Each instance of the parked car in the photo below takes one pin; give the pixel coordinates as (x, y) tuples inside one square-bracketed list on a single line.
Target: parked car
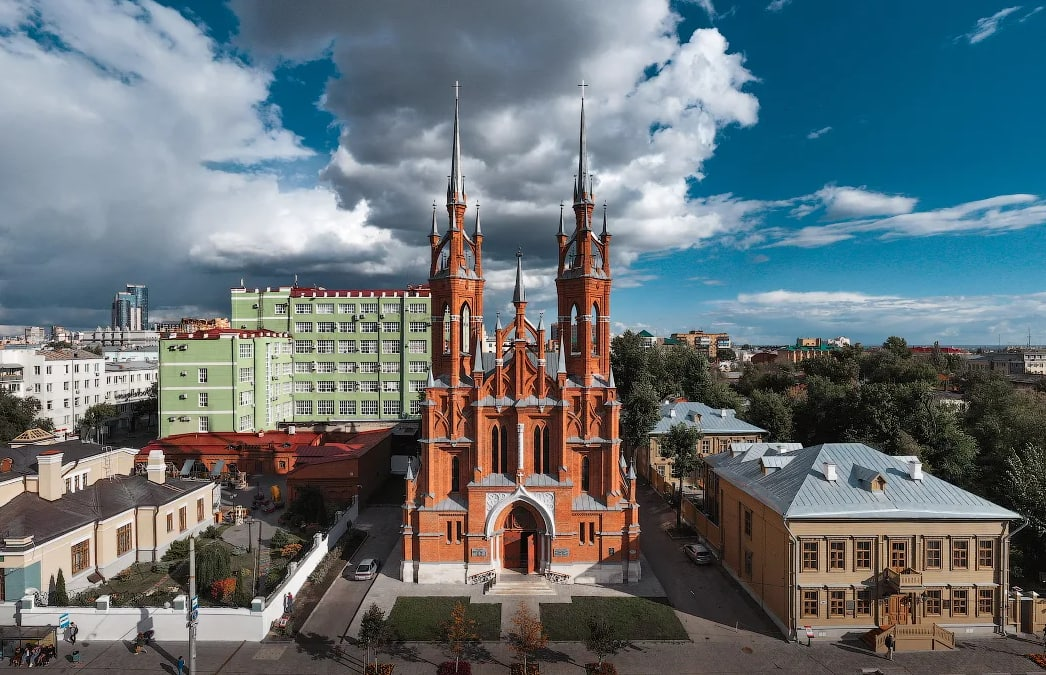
[(699, 553), (367, 569)]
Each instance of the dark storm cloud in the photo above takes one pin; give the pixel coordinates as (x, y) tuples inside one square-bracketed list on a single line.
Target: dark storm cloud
[(117, 179)]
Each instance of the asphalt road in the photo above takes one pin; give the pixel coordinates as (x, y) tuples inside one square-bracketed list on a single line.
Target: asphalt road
[(710, 603), (334, 613)]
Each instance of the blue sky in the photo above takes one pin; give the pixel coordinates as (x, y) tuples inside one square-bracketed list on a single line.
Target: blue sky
[(771, 169)]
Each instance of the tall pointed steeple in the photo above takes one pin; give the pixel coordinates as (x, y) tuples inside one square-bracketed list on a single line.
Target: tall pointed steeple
[(479, 230), (435, 230), (520, 294), (456, 186), (604, 219), (581, 192), (562, 228)]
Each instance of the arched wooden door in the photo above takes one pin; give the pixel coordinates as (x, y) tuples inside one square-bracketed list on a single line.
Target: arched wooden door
[(519, 541)]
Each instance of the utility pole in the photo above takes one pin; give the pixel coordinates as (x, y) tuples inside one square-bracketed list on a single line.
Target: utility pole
[(193, 606), (257, 561)]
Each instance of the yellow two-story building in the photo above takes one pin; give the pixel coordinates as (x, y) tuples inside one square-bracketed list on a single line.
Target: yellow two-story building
[(79, 508), (841, 540)]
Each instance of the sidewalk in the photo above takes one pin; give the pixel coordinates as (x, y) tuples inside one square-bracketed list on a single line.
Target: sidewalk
[(720, 656)]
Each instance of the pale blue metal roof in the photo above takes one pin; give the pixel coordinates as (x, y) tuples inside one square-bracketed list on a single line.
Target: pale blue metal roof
[(711, 420), (800, 489)]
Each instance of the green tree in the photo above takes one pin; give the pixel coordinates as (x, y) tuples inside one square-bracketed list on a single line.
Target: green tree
[(771, 411), (459, 633), (375, 633), (61, 595), (726, 354), (529, 634), (213, 563), (96, 415), (679, 444), (18, 415), (897, 346), (310, 506), (603, 640), (628, 361), (639, 413)]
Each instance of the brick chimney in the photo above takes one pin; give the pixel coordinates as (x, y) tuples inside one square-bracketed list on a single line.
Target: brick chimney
[(157, 467), (49, 469)]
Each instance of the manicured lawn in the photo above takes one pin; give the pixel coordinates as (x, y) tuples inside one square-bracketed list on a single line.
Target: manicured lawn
[(634, 618), (418, 619)]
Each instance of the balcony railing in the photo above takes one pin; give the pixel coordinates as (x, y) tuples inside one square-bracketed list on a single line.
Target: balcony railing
[(902, 580)]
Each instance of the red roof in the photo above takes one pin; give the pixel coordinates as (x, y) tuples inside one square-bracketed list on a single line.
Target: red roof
[(215, 333), (419, 291), (220, 441), (352, 448)]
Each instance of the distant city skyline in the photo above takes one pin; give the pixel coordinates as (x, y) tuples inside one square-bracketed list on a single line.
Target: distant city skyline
[(770, 169)]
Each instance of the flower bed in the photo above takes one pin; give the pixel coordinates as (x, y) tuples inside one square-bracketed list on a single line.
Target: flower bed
[(447, 668), (600, 669), (1039, 659)]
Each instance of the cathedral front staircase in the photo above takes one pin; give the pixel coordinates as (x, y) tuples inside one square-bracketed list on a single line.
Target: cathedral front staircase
[(515, 583)]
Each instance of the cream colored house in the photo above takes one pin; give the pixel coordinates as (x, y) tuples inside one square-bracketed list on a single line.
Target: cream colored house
[(843, 540), (79, 507), (719, 427)]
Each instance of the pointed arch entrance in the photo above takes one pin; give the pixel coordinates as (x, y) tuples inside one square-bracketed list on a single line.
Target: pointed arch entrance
[(520, 527)]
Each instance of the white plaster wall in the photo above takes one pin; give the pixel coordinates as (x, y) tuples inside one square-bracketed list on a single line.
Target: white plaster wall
[(124, 623), (8, 611)]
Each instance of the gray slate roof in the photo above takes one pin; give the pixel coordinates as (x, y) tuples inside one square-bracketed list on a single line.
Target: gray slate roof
[(799, 489), (29, 514), (23, 459), (712, 420)]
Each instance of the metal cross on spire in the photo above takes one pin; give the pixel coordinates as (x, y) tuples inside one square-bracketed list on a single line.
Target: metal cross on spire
[(582, 85), (457, 88)]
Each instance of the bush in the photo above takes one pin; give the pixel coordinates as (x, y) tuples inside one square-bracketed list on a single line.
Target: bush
[(382, 669), (447, 668), (211, 532), (279, 539), (532, 669), (85, 598), (61, 596), (222, 589), (179, 550), (290, 551), (600, 669)]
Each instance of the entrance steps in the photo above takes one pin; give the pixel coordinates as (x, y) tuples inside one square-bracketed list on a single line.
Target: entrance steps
[(514, 583)]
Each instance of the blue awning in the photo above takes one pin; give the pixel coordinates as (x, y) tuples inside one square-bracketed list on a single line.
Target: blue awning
[(187, 467), (217, 470)]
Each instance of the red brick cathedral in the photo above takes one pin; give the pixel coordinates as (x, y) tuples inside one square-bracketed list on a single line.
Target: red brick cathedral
[(521, 466)]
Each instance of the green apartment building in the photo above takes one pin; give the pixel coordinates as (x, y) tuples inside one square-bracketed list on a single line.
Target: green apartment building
[(358, 355), (334, 356), (224, 379)]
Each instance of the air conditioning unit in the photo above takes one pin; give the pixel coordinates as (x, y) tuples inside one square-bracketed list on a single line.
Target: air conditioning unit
[(275, 378), (184, 418), (171, 348), (170, 419), (254, 306), (182, 348), (184, 373), (183, 396)]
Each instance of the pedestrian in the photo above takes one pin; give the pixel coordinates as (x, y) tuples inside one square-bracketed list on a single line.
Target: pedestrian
[(1044, 638), (73, 630), (181, 665), (890, 644)]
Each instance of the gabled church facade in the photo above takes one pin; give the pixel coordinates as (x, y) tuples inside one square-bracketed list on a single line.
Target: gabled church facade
[(521, 466)]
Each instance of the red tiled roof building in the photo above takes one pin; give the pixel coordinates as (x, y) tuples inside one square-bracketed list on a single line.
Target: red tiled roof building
[(520, 455)]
